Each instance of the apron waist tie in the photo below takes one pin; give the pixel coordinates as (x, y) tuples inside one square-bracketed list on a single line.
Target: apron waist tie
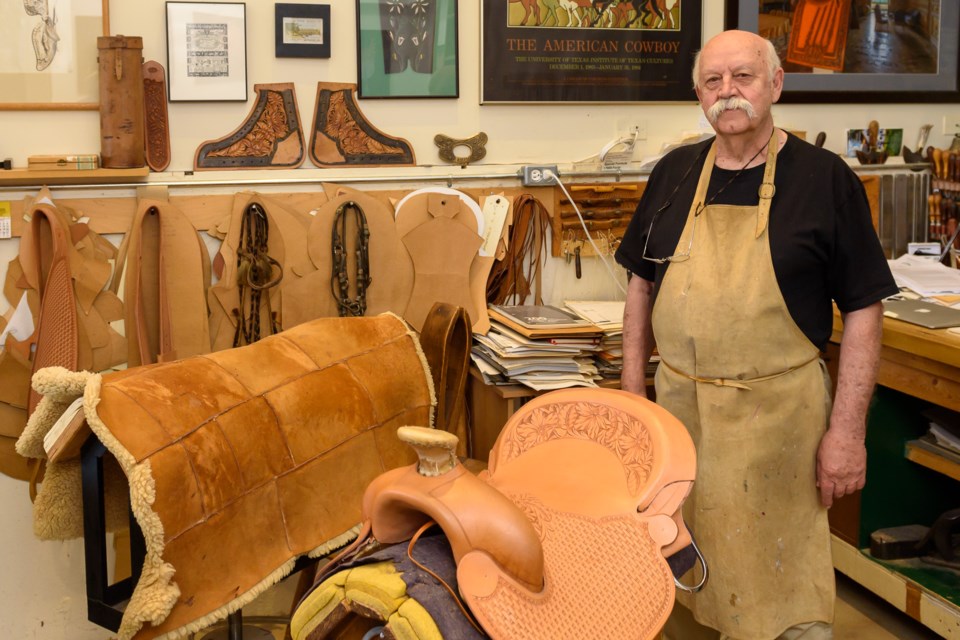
[(737, 383)]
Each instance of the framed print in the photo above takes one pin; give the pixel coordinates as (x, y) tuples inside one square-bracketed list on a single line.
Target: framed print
[(589, 50), (859, 51), (302, 30), (206, 51), (48, 54), (407, 49)]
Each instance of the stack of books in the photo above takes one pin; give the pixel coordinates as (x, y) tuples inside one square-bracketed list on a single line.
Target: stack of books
[(539, 346)]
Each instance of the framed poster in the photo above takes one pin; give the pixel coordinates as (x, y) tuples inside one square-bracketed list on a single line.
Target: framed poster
[(868, 54), (206, 51), (302, 30), (407, 49), (48, 54), (589, 50)]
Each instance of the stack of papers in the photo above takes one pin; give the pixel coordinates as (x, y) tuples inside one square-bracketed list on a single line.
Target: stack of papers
[(608, 316), (924, 276)]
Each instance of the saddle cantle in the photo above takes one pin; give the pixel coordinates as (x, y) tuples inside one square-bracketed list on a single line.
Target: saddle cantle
[(567, 532)]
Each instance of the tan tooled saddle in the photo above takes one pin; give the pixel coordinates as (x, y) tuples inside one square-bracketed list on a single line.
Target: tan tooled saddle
[(567, 533)]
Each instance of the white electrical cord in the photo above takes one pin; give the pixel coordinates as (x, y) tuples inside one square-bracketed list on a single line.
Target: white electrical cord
[(548, 173)]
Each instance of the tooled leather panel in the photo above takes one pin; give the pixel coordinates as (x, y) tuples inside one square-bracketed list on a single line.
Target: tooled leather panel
[(622, 434), (637, 584), (343, 136), (156, 121), (57, 334), (270, 137)]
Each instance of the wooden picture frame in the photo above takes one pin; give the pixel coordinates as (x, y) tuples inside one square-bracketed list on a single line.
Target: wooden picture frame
[(407, 49), (66, 48), (932, 32), (207, 51), (302, 30)]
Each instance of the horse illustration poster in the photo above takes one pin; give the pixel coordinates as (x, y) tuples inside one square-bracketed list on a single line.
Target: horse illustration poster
[(48, 51), (589, 50)]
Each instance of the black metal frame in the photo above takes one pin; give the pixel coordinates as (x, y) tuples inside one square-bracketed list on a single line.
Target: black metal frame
[(103, 598)]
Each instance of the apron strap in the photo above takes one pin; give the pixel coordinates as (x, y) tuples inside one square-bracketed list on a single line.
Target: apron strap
[(737, 383), (767, 188)]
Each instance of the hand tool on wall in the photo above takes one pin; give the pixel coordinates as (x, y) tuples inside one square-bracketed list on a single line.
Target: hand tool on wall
[(870, 154), (916, 157)]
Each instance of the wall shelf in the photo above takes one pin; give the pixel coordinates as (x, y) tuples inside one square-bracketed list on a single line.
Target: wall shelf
[(934, 457), (31, 177)]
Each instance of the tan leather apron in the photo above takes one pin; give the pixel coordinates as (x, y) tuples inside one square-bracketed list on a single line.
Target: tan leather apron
[(745, 381)]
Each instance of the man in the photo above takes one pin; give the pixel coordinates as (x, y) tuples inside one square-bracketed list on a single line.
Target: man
[(737, 249)]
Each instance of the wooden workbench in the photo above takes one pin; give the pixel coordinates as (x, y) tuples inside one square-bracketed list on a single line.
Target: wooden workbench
[(925, 365)]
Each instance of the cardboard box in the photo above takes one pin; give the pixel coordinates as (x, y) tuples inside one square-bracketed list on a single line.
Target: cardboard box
[(63, 162)]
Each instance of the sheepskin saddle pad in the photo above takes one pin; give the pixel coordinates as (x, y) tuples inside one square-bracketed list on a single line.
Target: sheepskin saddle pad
[(565, 535), (239, 461)]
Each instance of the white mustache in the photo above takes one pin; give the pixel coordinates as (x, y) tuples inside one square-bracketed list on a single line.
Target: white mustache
[(733, 102)]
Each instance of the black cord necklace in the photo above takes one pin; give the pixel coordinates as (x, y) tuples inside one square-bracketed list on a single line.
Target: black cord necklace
[(736, 175)]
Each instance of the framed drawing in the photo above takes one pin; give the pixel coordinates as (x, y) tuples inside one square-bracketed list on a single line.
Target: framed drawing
[(302, 30), (859, 51), (206, 51), (589, 51), (48, 54), (407, 49)]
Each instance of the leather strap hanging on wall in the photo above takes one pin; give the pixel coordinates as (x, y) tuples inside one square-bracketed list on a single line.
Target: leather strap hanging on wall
[(508, 279), (256, 272), (340, 279)]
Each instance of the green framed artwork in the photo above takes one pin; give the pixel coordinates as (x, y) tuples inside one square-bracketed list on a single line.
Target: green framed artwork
[(407, 49)]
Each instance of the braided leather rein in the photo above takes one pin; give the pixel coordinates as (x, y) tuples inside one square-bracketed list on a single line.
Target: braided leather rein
[(340, 280)]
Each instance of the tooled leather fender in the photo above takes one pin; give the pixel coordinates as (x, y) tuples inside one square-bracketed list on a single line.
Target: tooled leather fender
[(270, 138), (242, 460), (564, 536), (61, 272), (343, 137)]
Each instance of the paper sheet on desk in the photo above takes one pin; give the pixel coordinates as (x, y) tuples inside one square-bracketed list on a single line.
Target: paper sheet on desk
[(924, 276)]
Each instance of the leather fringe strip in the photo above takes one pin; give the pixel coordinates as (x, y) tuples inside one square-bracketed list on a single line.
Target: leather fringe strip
[(526, 244)]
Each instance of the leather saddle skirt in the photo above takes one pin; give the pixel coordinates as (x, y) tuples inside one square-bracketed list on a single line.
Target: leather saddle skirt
[(567, 533)]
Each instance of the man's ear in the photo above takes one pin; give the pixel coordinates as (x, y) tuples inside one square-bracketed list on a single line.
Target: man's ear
[(777, 84)]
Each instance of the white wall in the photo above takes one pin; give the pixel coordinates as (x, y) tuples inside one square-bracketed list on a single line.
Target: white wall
[(41, 584)]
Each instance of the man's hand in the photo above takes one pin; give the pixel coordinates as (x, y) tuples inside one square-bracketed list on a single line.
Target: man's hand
[(842, 457), (841, 465)]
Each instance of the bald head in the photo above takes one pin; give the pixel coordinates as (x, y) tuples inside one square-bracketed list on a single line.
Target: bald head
[(728, 42)]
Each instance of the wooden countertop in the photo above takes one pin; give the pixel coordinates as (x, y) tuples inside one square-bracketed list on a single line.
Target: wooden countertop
[(924, 363)]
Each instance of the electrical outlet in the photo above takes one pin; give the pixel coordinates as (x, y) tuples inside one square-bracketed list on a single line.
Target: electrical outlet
[(536, 175), (951, 125)]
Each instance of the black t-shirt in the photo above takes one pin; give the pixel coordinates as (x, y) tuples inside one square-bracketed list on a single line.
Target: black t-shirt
[(822, 240)]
